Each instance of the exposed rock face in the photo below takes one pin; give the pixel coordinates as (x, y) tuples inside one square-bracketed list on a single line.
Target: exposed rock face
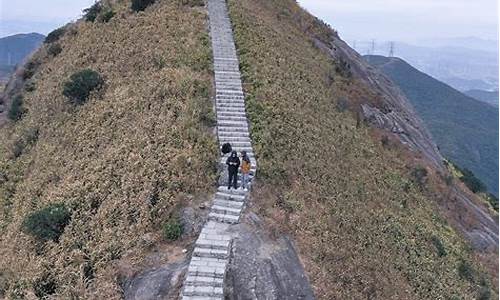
[(159, 283), (264, 268), (395, 114)]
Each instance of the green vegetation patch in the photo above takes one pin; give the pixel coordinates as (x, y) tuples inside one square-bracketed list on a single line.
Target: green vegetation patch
[(140, 5), (48, 223), (81, 84)]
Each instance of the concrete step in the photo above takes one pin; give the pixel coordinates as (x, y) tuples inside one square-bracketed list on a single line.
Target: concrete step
[(202, 291), (236, 139), (206, 271), (228, 92), (230, 109), (228, 203), (224, 100), (224, 210), (230, 104), (203, 242), (230, 195), (224, 128), (224, 190), (230, 219), (232, 123), (201, 298), (213, 253), (204, 281), (232, 118), (240, 144), (238, 134)]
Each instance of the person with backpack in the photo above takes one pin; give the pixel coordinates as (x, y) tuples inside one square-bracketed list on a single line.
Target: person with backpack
[(233, 164), (245, 170)]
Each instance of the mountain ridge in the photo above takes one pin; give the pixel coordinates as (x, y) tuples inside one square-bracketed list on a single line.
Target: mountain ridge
[(464, 127)]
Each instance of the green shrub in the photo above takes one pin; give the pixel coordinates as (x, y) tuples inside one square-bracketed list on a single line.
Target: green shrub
[(419, 175), (465, 271), (472, 182), (47, 223), (30, 86), (107, 15), (441, 251), (44, 286), (30, 69), (193, 3), (140, 5), (16, 110), (80, 84), (493, 201), (91, 13), (54, 49), (55, 35), (172, 230)]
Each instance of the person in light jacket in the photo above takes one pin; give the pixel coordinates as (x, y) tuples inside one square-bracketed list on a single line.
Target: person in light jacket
[(245, 170)]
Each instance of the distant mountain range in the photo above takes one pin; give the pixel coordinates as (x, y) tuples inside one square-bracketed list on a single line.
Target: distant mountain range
[(14, 49), (485, 96), (463, 63), (465, 129)]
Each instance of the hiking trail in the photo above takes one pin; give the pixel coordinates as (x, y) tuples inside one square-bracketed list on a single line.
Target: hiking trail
[(207, 268)]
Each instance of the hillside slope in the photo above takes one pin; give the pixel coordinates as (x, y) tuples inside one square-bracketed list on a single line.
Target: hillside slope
[(362, 214), (123, 163), (465, 129), (485, 96)]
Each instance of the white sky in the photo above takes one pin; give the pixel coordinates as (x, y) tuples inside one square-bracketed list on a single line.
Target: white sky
[(17, 16), (408, 20), (404, 20)]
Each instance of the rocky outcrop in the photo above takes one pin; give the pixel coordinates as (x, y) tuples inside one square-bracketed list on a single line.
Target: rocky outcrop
[(264, 268), (392, 112), (158, 283)]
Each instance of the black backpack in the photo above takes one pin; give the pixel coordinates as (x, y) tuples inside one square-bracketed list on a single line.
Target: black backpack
[(226, 148)]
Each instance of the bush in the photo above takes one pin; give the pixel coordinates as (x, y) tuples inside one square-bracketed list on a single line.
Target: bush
[(80, 84), (140, 5), (44, 286), (342, 104), (493, 201), (419, 175), (472, 182), (91, 13), (30, 69), (465, 271), (55, 35), (47, 223), (441, 251), (54, 49), (107, 15), (172, 230), (193, 3), (16, 110)]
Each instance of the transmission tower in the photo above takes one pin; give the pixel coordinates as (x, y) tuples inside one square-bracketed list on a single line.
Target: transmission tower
[(373, 47), (391, 49)]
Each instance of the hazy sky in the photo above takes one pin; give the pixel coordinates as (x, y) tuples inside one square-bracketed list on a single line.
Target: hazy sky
[(405, 20), (41, 16), (408, 20)]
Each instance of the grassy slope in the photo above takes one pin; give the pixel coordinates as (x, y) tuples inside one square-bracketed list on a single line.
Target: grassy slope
[(465, 129), (146, 130), (363, 228)]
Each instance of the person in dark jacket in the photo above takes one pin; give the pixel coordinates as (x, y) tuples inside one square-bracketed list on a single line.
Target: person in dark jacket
[(233, 164)]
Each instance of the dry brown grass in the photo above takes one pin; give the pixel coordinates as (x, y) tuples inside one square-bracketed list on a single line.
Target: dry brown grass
[(364, 227), (144, 131)]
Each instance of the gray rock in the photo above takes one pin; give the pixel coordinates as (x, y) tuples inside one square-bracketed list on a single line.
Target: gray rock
[(159, 283), (264, 268)]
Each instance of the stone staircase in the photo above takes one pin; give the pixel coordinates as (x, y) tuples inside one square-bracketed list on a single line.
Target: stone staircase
[(207, 269)]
